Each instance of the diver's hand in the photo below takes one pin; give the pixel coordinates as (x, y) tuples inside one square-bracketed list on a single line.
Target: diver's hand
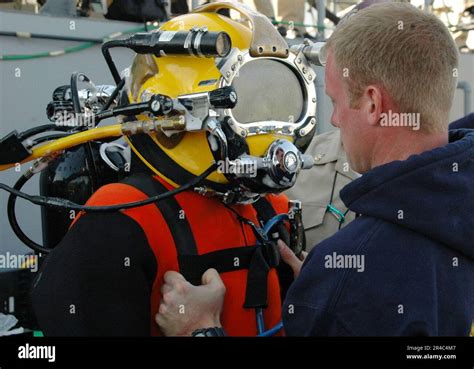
[(290, 258), (185, 308)]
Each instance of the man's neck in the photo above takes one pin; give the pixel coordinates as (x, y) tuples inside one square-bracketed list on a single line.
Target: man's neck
[(401, 145)]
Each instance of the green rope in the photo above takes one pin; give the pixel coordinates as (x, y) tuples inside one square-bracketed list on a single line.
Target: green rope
[(68, 50)]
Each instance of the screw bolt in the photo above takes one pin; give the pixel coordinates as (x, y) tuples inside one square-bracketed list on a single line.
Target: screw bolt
[(155, 106)]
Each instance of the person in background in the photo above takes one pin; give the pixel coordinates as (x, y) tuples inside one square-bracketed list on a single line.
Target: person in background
[(323, 211)]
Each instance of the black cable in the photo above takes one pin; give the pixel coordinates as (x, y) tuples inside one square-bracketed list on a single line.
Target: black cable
[(332, 17), (92, 164), (42, 139), (333, 187), (113, 95), (76, 103), (252, 225), (129, 110), (55, 202), (239, 217), (108, 58), (329, 14), (40, 129), (14, 222)]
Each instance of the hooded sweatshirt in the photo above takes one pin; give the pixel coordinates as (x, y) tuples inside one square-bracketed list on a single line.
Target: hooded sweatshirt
[(405, 266)]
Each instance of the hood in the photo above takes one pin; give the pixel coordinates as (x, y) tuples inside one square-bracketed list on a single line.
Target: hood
[(431, 193)]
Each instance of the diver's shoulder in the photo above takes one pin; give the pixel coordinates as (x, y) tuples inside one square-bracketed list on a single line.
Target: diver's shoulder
[(116, 193)]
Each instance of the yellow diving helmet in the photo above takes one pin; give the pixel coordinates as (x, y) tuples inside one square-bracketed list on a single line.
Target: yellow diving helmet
[(241, 99)]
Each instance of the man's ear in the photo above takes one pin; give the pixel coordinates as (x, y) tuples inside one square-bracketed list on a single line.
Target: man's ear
[(373, 103)]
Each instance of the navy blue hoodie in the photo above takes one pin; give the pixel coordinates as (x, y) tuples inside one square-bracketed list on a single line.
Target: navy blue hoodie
[(464, 122), (405, 266)]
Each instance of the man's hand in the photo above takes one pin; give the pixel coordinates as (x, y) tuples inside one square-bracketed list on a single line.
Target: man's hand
[(290, 258), (185, 308)]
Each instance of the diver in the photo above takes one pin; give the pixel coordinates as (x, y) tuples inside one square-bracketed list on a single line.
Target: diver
[(195, 77)]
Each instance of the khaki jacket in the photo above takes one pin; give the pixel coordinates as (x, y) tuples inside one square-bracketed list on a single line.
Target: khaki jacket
[(320, 185)]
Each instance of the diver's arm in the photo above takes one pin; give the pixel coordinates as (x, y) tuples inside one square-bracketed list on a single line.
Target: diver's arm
[(97, 281)]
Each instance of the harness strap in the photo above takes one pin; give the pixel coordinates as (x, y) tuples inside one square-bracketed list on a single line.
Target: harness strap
[(227, 260), (259, 260), (265, 212), (170, 209)]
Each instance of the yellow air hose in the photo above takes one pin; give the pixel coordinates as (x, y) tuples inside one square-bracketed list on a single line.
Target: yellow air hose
[(116, 130), (70, 141)]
